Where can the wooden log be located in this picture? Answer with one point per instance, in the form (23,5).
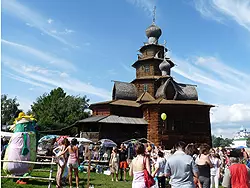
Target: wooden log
(29,177)
(29,162)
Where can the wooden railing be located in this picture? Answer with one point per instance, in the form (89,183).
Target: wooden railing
(50,178)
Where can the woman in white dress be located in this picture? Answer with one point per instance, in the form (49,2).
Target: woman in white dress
(215,170)
(137,166)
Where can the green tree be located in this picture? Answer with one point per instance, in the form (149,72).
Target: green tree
(221,142)
(9,109)
(57,109)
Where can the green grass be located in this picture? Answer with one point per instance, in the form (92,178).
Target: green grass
(98,180)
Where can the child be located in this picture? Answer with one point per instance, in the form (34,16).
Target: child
(114,163)
(73,161)
(61,163)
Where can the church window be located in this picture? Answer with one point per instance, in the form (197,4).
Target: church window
(145,87)
(146,68)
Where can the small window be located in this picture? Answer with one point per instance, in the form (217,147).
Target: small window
(146,68)
(145,87)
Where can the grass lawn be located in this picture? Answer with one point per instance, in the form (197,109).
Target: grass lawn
(98,180)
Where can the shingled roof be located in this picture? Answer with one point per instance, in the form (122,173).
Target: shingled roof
(124,90)
(145,97)
(114,119)
(177,102)
(118,102)
(175,91)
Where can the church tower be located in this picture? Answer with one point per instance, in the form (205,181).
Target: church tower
(152,63)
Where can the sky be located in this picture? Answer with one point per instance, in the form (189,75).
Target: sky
(82,46)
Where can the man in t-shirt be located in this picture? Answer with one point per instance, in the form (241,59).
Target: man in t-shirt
(181,168)
(123,154)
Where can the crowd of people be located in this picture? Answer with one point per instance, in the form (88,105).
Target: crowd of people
(187,166)
(191,166)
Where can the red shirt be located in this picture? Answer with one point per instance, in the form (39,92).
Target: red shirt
(239,176)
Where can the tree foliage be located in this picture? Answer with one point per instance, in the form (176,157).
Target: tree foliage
(57,109)
(221,142)
(9,109)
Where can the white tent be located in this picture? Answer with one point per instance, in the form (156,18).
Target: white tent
(85,140)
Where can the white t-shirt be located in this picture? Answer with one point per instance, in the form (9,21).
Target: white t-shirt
(215,162)
(160,163)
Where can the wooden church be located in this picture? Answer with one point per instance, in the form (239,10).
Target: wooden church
(136,107)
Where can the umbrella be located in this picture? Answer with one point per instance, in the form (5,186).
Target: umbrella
(107,143)
(240,147)
(48,138)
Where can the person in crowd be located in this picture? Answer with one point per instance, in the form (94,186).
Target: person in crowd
(73,161)
(81,150)
(95,153)
(192,151)
(123,162)
(61,162)
(66,156)
(236,175)
(149,149)
(138,164)
(159,170)
(226,160)
(114,163)
(245,156)
(181,168)
(204,164)
(215,170)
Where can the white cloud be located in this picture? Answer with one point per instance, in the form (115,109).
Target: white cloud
(50,21)
(211,73)
(146,5)
(28,24)
(221,10)
(223,82)
(231,113)
(27,15)
(53,78)
(28,81)
(59,62)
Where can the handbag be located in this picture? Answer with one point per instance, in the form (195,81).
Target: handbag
(149,180)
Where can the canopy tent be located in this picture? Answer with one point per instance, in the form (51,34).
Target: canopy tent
(107,143)
(85,140)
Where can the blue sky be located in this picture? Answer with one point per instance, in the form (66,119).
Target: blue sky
(82,46)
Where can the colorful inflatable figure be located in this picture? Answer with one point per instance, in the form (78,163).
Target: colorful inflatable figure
(22,146)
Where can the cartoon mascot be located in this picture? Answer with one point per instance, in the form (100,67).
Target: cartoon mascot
(22,146)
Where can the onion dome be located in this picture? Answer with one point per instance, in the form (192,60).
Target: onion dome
(153,31)
(165,68)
